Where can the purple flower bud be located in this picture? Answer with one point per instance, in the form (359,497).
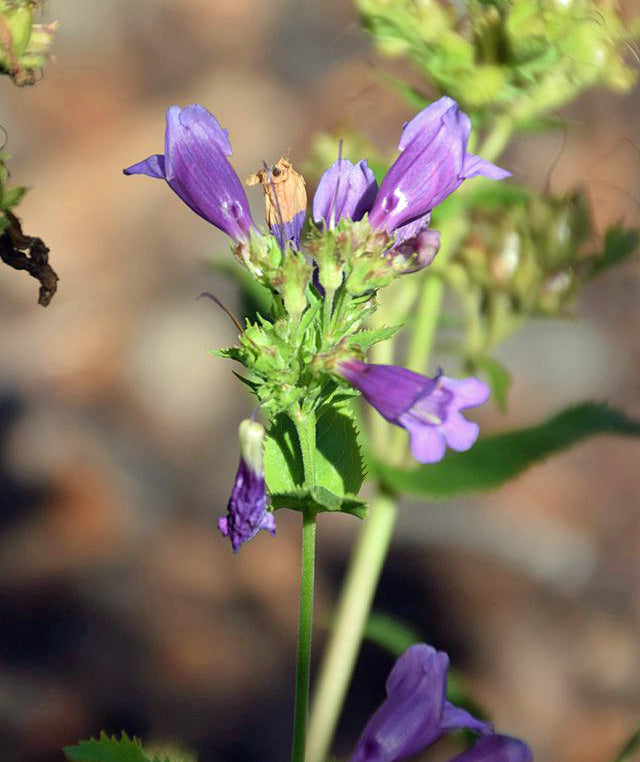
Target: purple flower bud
(417,252)
(416,714)
(247,510)
(428,408)
(195,166)
(344,190)
(432,164)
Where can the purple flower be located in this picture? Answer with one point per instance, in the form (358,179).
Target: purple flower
(344,190)
(428,408)
(195,166)
(416,714)
(432,164)
(247,510)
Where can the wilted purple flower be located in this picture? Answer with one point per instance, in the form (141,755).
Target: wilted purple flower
(195,166)
(428,408)
(432,164)
(247,510)
(416,714)
(344,190)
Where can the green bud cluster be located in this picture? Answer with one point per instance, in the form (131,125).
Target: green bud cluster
(528,261)
(290,355)
(520,56)
(24,45)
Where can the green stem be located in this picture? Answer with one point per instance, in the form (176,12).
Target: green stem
(351,618)
(375,537)
(305,627)
(306,428)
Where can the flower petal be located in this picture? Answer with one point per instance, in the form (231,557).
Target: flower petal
(408,720)
(344,190)
(153,166)
(427,442)
(497,748)
(474,165)
(454,718)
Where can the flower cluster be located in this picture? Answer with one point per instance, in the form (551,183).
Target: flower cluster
(360,230)
(416,714)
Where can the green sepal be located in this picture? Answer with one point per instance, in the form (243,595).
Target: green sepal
(365,339)
(494,460)
(498,377)
(110,749)
(320,500)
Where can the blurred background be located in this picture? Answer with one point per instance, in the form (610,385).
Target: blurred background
(121,606)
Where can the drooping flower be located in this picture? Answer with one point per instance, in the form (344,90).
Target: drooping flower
(428,408)
(247,510)
(344,190)
(416,714)
(433,162)
(285,201)
(196,167)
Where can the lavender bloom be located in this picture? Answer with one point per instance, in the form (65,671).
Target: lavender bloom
(195,166)
(432,164)
(247,510)
(344,190)
(416,714)
(428,408)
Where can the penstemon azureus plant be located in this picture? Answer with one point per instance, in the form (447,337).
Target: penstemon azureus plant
(370,263)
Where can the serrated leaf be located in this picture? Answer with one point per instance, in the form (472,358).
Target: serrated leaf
(338,458)
(365,339)
(12,196)
(499,380)
(494,460)
(619,244)
(107,749)
(319,499)
(283,467)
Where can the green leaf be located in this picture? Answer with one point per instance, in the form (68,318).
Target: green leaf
(107,749)
(619,243)
(494,460)
(630,749)
(283,467)
(338,459)
(12,196)
(319,499)
(365,339)
(499,379)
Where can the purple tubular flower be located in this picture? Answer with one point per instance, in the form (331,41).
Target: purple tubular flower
(247,510)
(289,231)
(416,714)
(433,162)
(344,190)
(195,166)
(428,408)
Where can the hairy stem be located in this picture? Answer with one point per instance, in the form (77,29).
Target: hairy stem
(351,617)
(306,427)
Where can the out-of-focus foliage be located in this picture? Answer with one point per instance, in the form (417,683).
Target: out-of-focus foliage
(496,459)
(24,45)
(517,57)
